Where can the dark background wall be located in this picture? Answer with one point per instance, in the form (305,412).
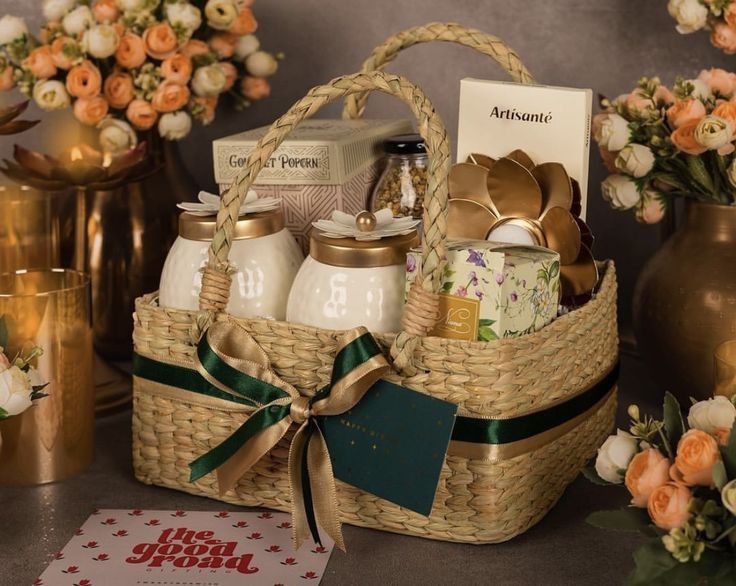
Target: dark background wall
(604,44)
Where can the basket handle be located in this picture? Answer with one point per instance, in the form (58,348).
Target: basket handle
(421,310)
(436,31)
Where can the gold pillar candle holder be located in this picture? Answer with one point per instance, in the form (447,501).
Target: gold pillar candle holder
(53,439)
(725,369)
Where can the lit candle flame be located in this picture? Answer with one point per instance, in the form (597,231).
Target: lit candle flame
(76,154)
(107,159)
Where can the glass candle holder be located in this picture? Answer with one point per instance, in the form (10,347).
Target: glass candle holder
(53,439)
(725,369)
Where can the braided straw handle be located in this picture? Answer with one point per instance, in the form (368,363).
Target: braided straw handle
(437,31)
(421,310)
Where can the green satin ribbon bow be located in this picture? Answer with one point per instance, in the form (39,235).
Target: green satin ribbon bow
(233,362)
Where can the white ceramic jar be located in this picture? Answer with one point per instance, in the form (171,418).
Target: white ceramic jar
(264,253)
(345,283)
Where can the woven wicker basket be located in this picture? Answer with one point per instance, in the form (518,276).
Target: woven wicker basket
(478,500)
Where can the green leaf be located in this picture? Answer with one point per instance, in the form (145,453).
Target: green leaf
(447,287)
(625,519)
(728,454)
(4,337)
(554,270)
(652,562)
(590,473)
(673,422)
(3,414)
(699,173)
(486,322)
(486,334)
(720,477)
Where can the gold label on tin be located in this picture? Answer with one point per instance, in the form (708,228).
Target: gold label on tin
(458,318)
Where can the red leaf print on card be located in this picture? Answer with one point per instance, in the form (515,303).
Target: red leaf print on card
(153,522)
(120,533)
(319,549)
(71,570)
(59,555)
(79,531)
(38,582)
(255,536)
(84,582)
(222,515)
(284,525)
(265,516)
(241,524)
(179,514)
(103,557)
(109,522)
(135,513)
(310,576)
(289,562)
(90,545)
(274,549)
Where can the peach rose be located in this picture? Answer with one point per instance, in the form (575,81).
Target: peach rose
(637,101)
(719,81)
(61,60)
(729,14)
(131,51)
(668,505)
(722,435)
(40,63)
(231,72)
(90,110)
(195,47)
(84,80)
(255,88)
(118,89)
(244,24)
(647,471)
(169,97)
(685,111)
(724,37)
(726,110)
(141,114)
(177,68)
(105,11)
(684,139)
(6,79)
(651,209)
(160,40)
(697,452)
(609,159)
(223,44)
(664,95)
(203,108)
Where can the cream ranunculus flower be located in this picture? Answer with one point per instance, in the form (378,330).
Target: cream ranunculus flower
(175,125)
(701,90)
(691,15)
(116,135)
(614,456)
(15,391)
(713,132)
(209,80)
(612,132)
(131,5)
(78,20)
(185,15)
(101,41)
(55,10)
(712,414)
(11,28)
(246,45)
(728,495)
(620,191)
(51,95)
(635,159)
(221,13)
(261,64)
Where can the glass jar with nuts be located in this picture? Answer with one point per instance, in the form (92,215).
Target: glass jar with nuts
(403,183)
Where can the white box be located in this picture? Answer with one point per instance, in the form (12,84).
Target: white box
(551,124)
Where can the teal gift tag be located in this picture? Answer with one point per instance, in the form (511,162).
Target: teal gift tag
(392,444)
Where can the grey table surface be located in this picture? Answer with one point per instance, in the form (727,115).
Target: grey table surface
(36,522)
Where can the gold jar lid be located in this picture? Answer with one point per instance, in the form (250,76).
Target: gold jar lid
(202,228)
(348,252)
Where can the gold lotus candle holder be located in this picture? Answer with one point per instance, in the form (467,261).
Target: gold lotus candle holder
(53,439)
(8,122)
(725,369)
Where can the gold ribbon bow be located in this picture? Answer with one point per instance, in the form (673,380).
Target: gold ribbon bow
(233,362)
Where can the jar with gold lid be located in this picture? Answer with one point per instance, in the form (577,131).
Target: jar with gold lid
(264,254)
(345,282)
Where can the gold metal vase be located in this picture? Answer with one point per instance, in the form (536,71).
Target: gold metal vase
(685,301)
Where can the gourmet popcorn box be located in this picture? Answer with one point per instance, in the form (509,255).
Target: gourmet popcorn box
(323,165)
(492,290)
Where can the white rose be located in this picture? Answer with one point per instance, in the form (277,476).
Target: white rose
(101,41)
(614,456)
(131,5)
(15,391)
(713,132)
(728,496)
(116,135)
(55,10)
(78,20)
(712,414)
(261,64)
(185,15)
(246,45)
(11,28)
(174,125)
(209,80)
(221,13)
(690,15)
(620,191)
(612,133)
(51,95)
(701,90)
(635,159)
